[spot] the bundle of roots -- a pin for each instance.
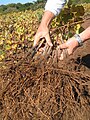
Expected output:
(43, 88)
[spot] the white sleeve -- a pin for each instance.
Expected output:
(55, 6)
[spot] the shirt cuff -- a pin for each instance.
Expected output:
(55, 7)
(55, 12)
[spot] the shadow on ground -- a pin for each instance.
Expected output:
(85, 60)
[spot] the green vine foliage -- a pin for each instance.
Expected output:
(70, 18)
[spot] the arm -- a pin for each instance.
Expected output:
(43, 30)
(85, 35)
(72, 43)
(52, 9)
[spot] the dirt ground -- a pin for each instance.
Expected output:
(82, 54)
(41, 90)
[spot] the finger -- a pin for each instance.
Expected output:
(61, 56)
(36, 40)
(48, 40)
(63, 46)
(70, 51)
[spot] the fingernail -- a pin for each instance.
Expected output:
(34, 44)
(51, 44)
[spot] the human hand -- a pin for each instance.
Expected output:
(42, 32)
(70, 45)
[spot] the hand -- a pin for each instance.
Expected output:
(70, 45)
(42, 32)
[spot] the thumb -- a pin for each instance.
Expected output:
(63, 46)
(48, 40)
